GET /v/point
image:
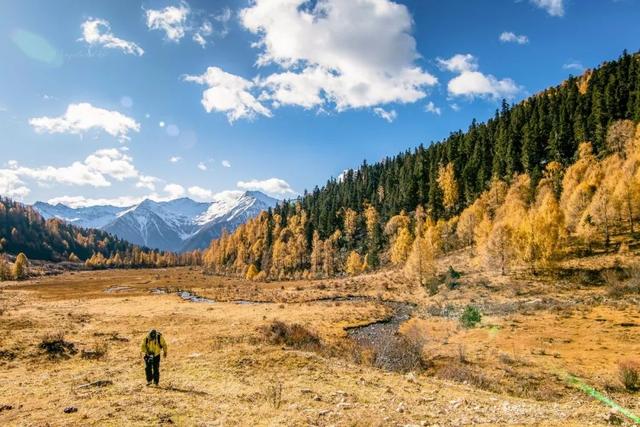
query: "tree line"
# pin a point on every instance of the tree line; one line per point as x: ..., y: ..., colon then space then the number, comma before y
x: 547, y: 161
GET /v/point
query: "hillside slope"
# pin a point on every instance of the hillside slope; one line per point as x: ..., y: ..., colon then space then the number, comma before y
x: 485, y: 187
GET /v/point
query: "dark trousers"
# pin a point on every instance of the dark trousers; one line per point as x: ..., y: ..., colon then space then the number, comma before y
x: 152, y: 368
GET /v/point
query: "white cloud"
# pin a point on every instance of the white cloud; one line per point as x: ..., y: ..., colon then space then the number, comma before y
x: 553, y: 7
x: 80, y: 118
x: 275, y: 186
x: 200, y: 193
x: 205, y: 30
x: 223, y: 18
x: 161, y: 124
x: 98, y: 32
x: 202, y: 166
x: 174, y: 190
x: 172, y: 20
x: 574, y: 65
x: 113, y: 163
x: 459, y: 63
x: 82, y: 201
x: 455, y: 107
x: 229, y: 94
x: 148, y: 182
x: 472, y: 83
x: 431, y: 108
x: 12, y: 186
x: 389, y: 116
x: 347, y: 54
x: 179, y: 21
x: 226, y: 163
x: 96, y: 170
x: 175, y: 159
x: 511, y: 37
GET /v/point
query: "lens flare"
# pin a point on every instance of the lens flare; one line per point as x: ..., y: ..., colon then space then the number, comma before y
x: 36, y: 47
x: 587, y: 389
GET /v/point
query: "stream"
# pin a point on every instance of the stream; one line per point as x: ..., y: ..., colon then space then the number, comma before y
x: 390, y: 349
x: 374, y: 332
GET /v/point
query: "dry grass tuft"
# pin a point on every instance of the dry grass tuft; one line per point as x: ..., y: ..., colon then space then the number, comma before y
x: 629, y: 374
x: 294, y: 335
x: 465, y: 374
x: 273, y: 393
x: 97, y: 353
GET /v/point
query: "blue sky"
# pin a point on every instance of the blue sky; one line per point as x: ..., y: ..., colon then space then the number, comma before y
x: 98, y: 97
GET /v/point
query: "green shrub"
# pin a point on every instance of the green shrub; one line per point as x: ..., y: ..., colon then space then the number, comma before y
x: 470, y: 317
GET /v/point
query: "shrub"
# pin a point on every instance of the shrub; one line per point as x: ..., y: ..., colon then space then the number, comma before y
x: 629, y: 372
x: 433, y: 286
x: 470, y: 317
x: 55, y: 347
x: 295, y: 335
x: 397, y: 353
x: 622, y: 283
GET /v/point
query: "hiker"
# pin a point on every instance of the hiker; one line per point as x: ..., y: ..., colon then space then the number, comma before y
x: 152, y: 345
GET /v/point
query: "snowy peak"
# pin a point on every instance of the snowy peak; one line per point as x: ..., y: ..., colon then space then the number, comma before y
x: 175, y: 225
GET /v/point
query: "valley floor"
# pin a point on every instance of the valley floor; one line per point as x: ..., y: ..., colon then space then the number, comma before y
x: 514, y: 368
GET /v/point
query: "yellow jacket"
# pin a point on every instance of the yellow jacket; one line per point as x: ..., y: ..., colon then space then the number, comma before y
x: 155, y: 346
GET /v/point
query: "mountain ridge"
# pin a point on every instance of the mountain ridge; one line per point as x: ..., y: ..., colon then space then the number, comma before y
x: 178, y: 225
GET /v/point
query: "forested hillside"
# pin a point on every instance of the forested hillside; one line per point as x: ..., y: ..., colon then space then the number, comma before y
x: 557, y: 160
x: 22, y: 229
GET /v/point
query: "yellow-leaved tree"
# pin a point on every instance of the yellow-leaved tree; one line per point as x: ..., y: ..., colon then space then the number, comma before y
x: 354, y: 264
x: 449, y: 186
x: 21, y: 267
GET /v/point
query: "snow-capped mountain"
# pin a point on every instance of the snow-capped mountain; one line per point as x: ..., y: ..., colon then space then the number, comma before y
x: 176, y: 225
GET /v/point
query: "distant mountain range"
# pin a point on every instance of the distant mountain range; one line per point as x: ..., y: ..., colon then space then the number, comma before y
x: 177, y: 225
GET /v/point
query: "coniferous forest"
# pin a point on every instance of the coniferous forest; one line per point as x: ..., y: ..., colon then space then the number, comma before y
x: 454, y: 190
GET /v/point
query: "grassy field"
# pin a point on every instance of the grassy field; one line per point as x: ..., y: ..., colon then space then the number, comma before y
x: 512, y: 368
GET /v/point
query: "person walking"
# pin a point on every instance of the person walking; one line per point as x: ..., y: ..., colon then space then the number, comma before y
x: 152, y: 345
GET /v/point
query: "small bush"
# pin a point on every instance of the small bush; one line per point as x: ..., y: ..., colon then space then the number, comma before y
x: 592, y: 278
x: 295, y: 335
x: 629, y: 372
x: 453, y: 274
x: 55, y: 347
x: 451, y: 279
x: 398, y: 353
x: 99, y: 352
x: 470, y: 317
x: 432, y: 287
x: 622, y: 283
